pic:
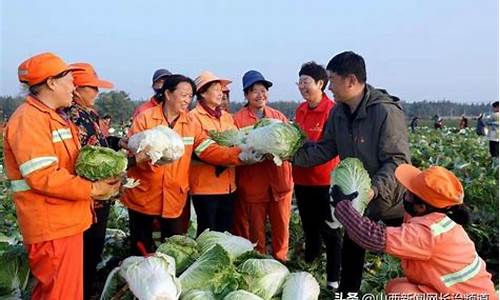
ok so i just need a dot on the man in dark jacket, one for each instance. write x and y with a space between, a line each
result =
368 124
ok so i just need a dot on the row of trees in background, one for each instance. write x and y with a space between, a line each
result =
120 106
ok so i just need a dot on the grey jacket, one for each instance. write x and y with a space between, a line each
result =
377 136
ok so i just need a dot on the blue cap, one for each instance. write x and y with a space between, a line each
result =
251 77
160 73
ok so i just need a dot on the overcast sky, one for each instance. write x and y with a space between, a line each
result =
416 49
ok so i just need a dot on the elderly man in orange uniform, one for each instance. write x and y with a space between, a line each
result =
53 204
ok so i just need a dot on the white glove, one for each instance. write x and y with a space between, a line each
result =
249 156
336 223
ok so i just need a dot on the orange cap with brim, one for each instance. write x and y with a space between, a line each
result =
436 185
87 76
207 77
38 68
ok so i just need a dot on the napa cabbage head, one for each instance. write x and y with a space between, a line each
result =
280 139
233 244
212 271
228 138
265 277
182 248
300 286
151 277
351 176
97 163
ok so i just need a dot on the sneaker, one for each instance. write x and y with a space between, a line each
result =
332 285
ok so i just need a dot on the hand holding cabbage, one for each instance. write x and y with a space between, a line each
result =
352 182
105 167
269 137
161 145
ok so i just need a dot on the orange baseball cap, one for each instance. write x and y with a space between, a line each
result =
436 185
38 68
207 77
87 76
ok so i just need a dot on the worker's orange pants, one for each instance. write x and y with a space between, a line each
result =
278 213
240 219
57 266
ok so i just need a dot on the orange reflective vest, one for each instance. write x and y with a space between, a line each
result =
256 181
40 149
437 255
163 189
312 121
202 177
152 102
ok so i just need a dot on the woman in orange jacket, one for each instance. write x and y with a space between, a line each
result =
212 187
163 189
90 132
264 189
53 204
437 256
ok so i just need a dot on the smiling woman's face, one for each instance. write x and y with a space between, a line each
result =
257 96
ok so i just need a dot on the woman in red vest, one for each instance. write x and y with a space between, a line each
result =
312 185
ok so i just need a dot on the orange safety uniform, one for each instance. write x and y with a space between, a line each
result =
163 189
53 204
152 102
202 177
437 256
264 189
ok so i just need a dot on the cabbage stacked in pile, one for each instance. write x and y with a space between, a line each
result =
214 266
268 136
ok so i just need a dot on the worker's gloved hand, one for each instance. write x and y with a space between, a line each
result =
337 195
249 156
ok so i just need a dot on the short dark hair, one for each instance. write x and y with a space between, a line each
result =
494 104
35 89
171 83
347 63
317 72
107 116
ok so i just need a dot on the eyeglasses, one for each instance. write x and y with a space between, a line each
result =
304 82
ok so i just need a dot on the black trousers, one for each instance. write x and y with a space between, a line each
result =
141 230
214 212
93 244
494 149
313 204
353 260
